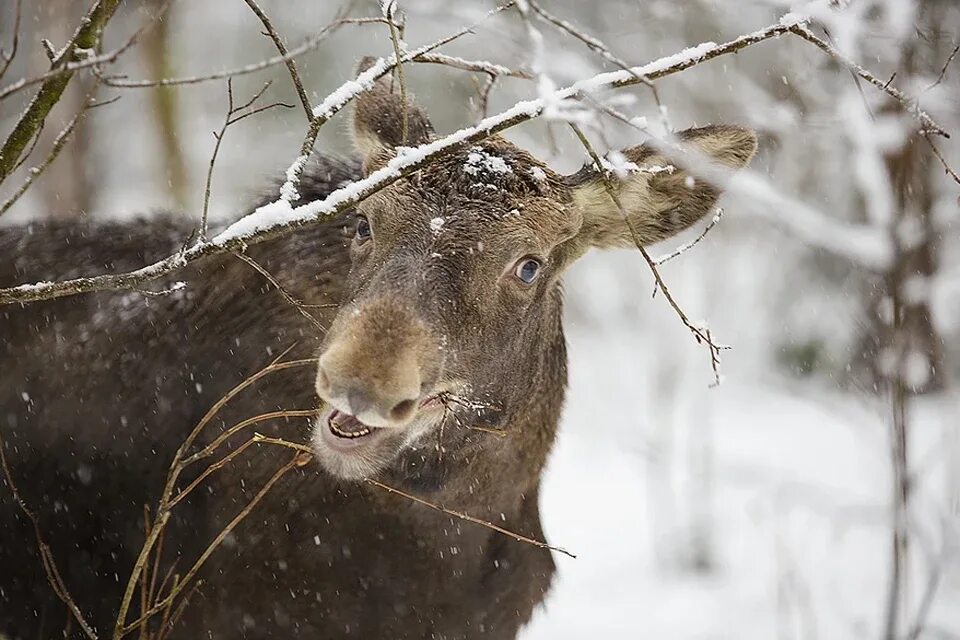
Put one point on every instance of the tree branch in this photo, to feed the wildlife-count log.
(58, 143)
(910, 105)
(86, 41)
(8, 57)
(291, 65)
(46, 555)
(279, 218)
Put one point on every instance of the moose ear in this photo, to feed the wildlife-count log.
(378, 120)
(660, 198)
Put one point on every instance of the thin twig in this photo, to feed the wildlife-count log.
(340, 200)
(702, 336)
(389, 12)
(308, 45)
(451, 401)
(208, 450)
(7, 59)
(232, 117)
(46, 555)
(296, 461)
(58, 144)
(908, 103)
(599, 47)
(687, 246)
(943, 70)
(87, 39)
(483, 95)
(87, 61)
(176, 467)
(304, 449)
(291, 65)
(480, 66)
(946, 167)
(337, 101)
(300, 306)
(219, 464)
(465, 516)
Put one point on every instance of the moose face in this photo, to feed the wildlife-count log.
(455, 284)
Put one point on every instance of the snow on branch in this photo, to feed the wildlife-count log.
(280, 217)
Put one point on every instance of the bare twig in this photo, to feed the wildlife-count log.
(300, 306)
(943, 70)
(231, 118)
(687, 246)
(389, 12)
(469, 518)
(308, 45)
(46, 555)
(305, 450)
(8, 58)
(342, 96)
(58, 143)
(219, 440)
(89, 61)
(483, 95)
(946, 167)
(86, 39)
(909, 104)
(296, 461)
(599, 47)
(450, 401)
(480, 66)
(243, 424)
(163, 511)
(344, 198)
(291, 65)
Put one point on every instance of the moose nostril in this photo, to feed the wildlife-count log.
(403, 410)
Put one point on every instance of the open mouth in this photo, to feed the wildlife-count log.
(345, 431)
(345, 426)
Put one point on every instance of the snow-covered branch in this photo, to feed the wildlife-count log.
(280, 217)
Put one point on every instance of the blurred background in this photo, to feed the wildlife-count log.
(760, 508)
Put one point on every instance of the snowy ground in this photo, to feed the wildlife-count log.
(796, 508)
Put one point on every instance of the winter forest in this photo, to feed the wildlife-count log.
(285, 288)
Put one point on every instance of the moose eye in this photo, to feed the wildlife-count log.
(363, 229)
(527, 270)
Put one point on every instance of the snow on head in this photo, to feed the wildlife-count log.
(480, 161)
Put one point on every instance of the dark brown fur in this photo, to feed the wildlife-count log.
(97, 392)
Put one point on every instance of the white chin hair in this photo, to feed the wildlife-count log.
(365, 462)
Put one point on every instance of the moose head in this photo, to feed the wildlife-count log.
(452, 326)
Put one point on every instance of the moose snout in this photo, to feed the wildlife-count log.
(374, 366)
(375, 399)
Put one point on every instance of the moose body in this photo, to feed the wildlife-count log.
(443, 285)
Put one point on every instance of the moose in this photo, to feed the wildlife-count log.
(435, 364)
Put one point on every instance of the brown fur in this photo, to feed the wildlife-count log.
(98, 391)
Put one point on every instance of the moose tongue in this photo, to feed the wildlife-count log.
(344, 425)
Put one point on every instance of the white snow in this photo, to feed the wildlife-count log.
(280, 213)
(436, 224)
(796, 513)
(480, 160)
(288, 190)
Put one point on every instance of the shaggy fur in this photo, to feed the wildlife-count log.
(98, 391)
